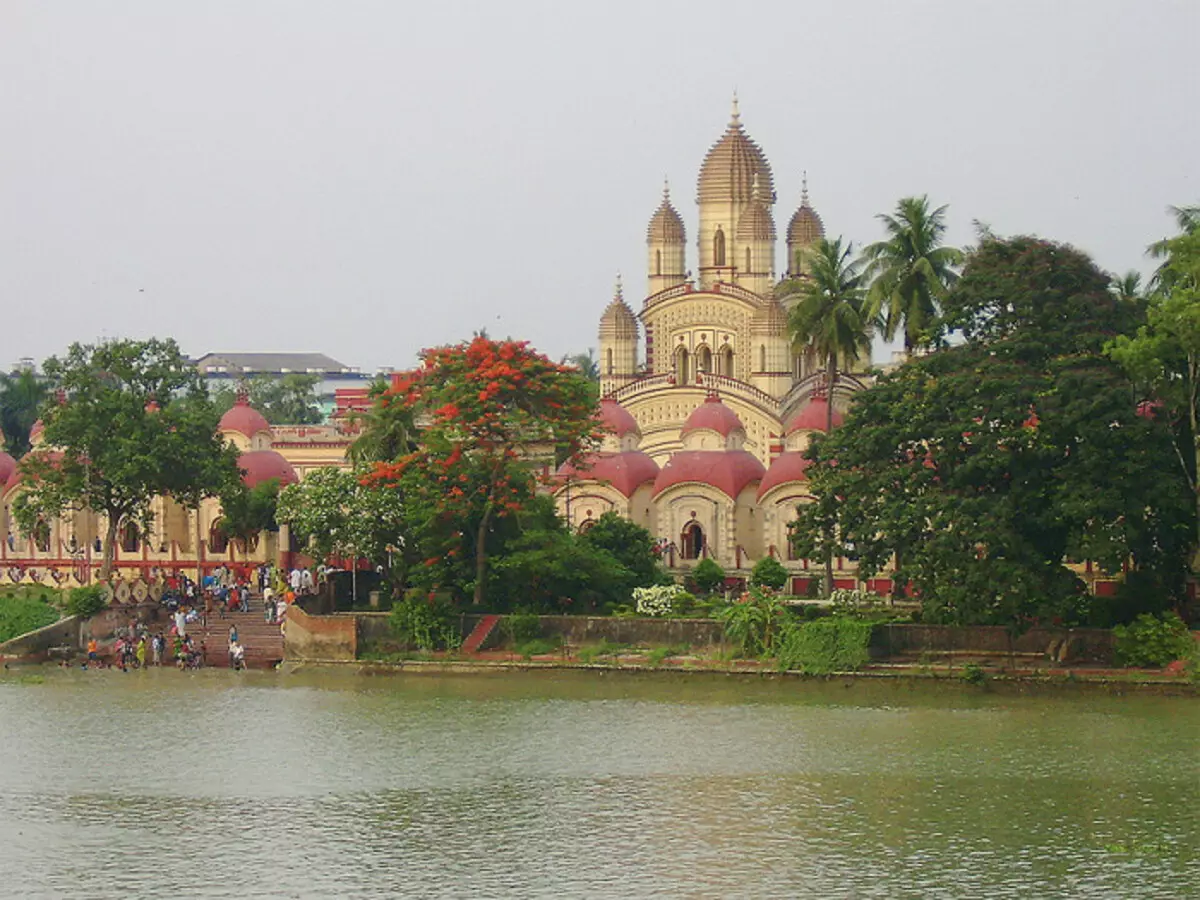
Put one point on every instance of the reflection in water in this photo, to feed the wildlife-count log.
(258, 785)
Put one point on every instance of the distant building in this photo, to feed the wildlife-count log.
(227, 369)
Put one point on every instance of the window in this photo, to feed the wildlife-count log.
(748, 269)
(704, 360)
(681, 366)
(762, 357)
(726, 358)
(217, 541)
(719, 247)
(657, 262)
(692, 540)
(609, 360)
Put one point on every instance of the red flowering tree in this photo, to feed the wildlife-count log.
(493, 415)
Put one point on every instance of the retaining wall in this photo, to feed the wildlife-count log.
(319, 637)
(1060, 644)
(33, 645)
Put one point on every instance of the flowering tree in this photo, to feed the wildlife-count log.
(492, 413)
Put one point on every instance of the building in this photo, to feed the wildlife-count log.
(708, 404)
(229, 369)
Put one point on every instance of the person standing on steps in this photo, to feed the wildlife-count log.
(269, 604)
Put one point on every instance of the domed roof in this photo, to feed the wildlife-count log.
(756, 223)
(729, 471)
(8, 465)
(786, 468)
(626, 472)
(666, 226)
(617, 418)
(770, 319)
(243, 418)
(812, 415)
(618, 318)
(732, 162)
(806, 226)
(36, 430)
(714, 415)
(17, 476)
(262, 465)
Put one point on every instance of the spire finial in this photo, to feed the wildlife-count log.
(804, 189)
(666, 190)
(619, 293)
(736, 117)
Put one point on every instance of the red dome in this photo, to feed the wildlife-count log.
(8, 465)
(37, 428)
(244, 419)
(16, 476)
(811, 416)
(624, 471)
(727, 470)
(787, 467)
(616, 418)
(713, 415)
(262, 465)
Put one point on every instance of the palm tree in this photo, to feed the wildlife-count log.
(910, 270)
(1188, 220)
(21, 399)
(587, 363)
(1127, 287)
(831, 318)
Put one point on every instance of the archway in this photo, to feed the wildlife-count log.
(41, 536)
(218, 541)
(719, 247)
(725, 357)
(703, 360)
(681, 366)
(131, 540)
(691, 541)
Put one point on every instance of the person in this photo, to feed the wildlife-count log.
(294, 580)
(237, 656)
(306, 581)
(244, 596)
(93, 652)
(157, 646)
(269, 604)
(141, 653)
(233, 634)
(180, 623)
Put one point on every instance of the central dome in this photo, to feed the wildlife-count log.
(730, 167)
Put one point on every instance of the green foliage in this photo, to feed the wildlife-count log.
(22, 395)
(387, 430)
(522, 627)
(85, 602)
(973, 673)
(769, 572)
(428, 623)
(135, 422)
(1153, 641)
(752, 622)
(632, 546)
(538, 647)
(982, 467)
(282, 399)
(823, 646)
(708, 575)
(21, 614)
(245, 512)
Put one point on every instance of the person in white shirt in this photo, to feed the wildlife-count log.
(306, 581)
(294, 580)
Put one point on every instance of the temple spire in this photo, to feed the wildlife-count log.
(735, 120)
(804, 188)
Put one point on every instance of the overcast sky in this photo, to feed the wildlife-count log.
(369, 178)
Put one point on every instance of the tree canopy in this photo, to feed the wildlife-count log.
(282, 399)
(21, 397)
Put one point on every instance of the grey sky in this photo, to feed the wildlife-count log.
(368, 178)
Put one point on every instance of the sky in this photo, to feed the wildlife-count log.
(366, 179)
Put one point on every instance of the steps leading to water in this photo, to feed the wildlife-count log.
(479, 634)
(262, 640)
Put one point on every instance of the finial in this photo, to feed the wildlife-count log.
(666, 190)
(804, 189)
(735, 119)
(620, 294)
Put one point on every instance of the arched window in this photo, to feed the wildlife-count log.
(657, 262)
(719, 247)
(218, 541)
(609, 360)
(681, 366)
(703, 360)
(748, 269)
(692, 540)
(41, 536)
(130, 539)
(726, 358)
(586, 525)
(762, 357)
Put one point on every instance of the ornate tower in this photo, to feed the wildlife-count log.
(755, 244)
(665, 243)
(723, 193)
(770, 368)
(618, 343)
(804, 230)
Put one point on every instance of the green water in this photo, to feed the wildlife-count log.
(216, 784)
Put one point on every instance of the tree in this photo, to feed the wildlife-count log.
(769, 572)
(982, 467)
(831, 319)
(910, 271)
(134, 422)
(1128, 287)
(708, 575)
(246, 512)
(343, 513)
(586, 363)
(283, 400)
(388, 430)
(1187, 219)
(21, 397)
(632, 546)
(494, 409)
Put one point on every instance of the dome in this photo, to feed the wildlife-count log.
(769, 319)
(36, 430)
(666, 226)
(8, 465)
(16, 476)
(616, 418)
(756, 223)
(729, 471)
(806, 226)
(786, 468)
(626, 472)
(812, 415)
(729, 168)
(713, 415)
(262, 465)
(243, 418)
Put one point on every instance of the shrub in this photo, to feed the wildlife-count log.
(662, 600)
(708, 575)
(1153, 641)
(752, 621)
(428, 624)
(973, 673)
(823, 646)
(19, 615)
(522, 627)
(769, 572)
(537, 647)
(85, 602)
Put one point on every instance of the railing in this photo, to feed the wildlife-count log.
(733, 290)
(739, 388)
(677, 290)
(642, 384)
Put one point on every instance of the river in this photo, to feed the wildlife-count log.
(217, 784)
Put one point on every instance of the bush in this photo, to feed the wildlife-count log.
(662, 600)
(19, 615)
(426, 623)
(522, 627)
(538, 647)
(1152, 641)
(752, 622)
(769, 572)
(708, 575)
(823, 646)
(85, 602)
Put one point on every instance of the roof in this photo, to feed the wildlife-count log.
(243, 418)
(812, 416)
(666, 225)
(624, 471)
(262, 465)
(238, 363)
(805, 227)
(8, 465)
(616, 418)
(786, 468)
(729, 471)
(769, 319)
(730, 166)
(713, 415)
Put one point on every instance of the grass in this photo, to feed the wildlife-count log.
(538, 647)
(23, 610)
(659, 655)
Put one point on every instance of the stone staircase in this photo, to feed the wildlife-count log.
(263, 641)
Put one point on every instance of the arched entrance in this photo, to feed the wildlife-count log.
(691, 541)
(703, 360)
(681, 366)
(725, 361)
